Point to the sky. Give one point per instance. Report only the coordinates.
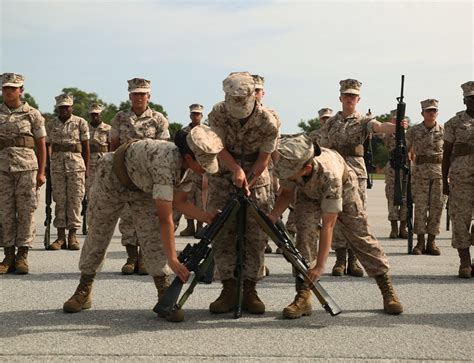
(186, 48)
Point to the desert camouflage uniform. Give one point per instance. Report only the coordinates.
(154, 166)
(127, 126)
(258, 134)
(325, 192)
(18, 169)
(98, 146)
(195, 196)
(67, 170)
(427, 188)
(460, 129)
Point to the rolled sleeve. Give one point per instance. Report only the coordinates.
(163, 192)
(449, 134)
(269, 134)
(84, 130)
(371, 124)
(331, 205)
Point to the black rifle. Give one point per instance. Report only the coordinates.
(240, 250)
(399, 162)
(369, 161)
(448, 220)
(84, 215)
(48, 202)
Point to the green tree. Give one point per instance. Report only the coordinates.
(173, 128)
(310, 125)
(82, 101)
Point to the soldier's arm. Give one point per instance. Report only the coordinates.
(239, 178)
(86, 154)
(447, 151)
(259, 166)
(114, 143)
(282, 202)
(41, 156)
(182, 204)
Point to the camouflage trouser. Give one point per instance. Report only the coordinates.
(18, 200)
(461, 212)
(90, 178)
(127, 228)
(225, 247)
(194, 196)
(68, 192)
(339, 241)
(429, 200)
(395, 212)
(108, 199)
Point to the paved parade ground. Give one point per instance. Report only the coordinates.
(437, 324)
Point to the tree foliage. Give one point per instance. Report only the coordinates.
(310, 125)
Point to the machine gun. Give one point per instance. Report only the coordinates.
(48, 202)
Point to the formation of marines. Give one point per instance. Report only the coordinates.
(132, 172)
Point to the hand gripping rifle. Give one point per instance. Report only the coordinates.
(48, 202)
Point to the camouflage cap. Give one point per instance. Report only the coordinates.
(393, 113)
(205, 144)
(294, 153)
(95, 108)
(64, 100)
(468, 89)
(259, 81)
(239, 88)
(139, 85)
(325, 112)
(429, 104)
(12, 80)
(351, 86)
(196, 107)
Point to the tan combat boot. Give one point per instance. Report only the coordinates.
(21, 261)
(268, 248)
(301, 305)
(465, 267)
(250, 300)
(431, 248)
(339, 268)
(141, 269)
(189, 231)
(132, 253)
(60, 242)
(403, 232)
(391, 303)
(394, 231)
(419, 249)
(82, 298)
(353, 267)
(226, 300)
(8, 263)
(72, 242)
(162, 283)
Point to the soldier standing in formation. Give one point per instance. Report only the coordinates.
(145, 175)
(68, 136)
(140, 122)
(458, 178)
(425, 141)
(249, 133)
(22, 173)
(395, 212)
(332, 189)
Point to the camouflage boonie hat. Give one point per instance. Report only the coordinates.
(95, 108)
(351, 86)
(259, 81)
(64, 100)
(12, 80)
(294, 153)
(205, 144)
(429, 104)
(468, 89)
(239, 88)
(139, 85)
(325, 112)
(196, 107)
(393, 113)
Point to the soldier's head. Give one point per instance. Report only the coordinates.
(64, 103)
(259, 90)
(239, 88)
(95, 111)
(349, 94)
(429, 109)
(195, 113)
(12, 88)
(296, 155)
(324, 115)
(468, 94)
(199, 148)
(393, 116)
(139, 93)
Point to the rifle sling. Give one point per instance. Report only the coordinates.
(73, 148)
(462, 149)
(429, 159)
(19, 141)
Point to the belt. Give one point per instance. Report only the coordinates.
(351, 150)
(120, 169)
(429, 159)
(74, 148)
(245, 157)
(19, 141)
(97, 148)
(462, 149)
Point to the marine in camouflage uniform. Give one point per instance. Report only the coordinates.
(145, 175)
(332, 192)
(140, 122)
(68, 136)
(458, 178)
(425, 141)
(249, 133)
(21, 173)
(395, 212)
